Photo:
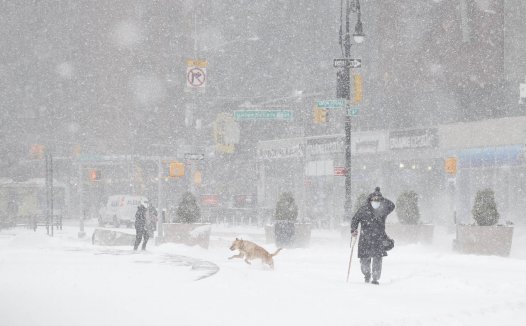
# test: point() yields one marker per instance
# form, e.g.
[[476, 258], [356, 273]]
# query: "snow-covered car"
[[120, 209]]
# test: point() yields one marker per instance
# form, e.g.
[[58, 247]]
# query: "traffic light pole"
[[81, 233], [344, 89], [348, 125], [159, 201]]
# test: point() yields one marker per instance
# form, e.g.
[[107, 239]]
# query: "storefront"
[[490, 153]]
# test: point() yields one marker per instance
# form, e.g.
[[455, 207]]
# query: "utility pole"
[[49, 193], [344, 87], [81, 233], [159, 201]]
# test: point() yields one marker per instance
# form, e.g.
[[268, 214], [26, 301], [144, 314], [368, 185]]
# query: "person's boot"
[[367, 278], [375, 282]]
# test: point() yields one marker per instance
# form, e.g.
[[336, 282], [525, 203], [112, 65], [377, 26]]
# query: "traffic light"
[[357, 89], [37, 151], [320, 115], [198, 177], [451, 165], [94, 175], [176, 169]]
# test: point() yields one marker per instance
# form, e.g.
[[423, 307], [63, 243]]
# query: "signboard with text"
[[263, 115], [416, 138], [331, 104], [340, 171], [194, 156]]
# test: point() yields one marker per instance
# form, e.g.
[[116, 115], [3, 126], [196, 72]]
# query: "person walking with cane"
[[373, 242]]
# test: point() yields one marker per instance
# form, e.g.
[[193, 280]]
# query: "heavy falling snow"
[[193, 162]]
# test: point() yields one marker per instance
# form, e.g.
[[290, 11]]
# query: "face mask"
[[375, 204]]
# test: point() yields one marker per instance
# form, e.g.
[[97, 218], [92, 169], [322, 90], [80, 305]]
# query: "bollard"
[[81, 233]]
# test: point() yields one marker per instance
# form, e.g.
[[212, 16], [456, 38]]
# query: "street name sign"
[[353, 112], [194, 156], [331, 104], [263, 115], [344, 62]]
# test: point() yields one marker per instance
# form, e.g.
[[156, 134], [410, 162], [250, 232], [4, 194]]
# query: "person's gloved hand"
[[354, 233]]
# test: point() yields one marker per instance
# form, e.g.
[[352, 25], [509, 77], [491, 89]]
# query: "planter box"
[[410, 233], [188, 234], [484, 240], [301, 238], [112, 238]]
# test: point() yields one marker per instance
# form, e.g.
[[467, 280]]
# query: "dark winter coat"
[[372, 232], [151, 220], [140, 218]]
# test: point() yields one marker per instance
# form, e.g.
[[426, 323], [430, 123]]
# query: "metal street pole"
[[81, 233], [159, 201], [348, 125], [51, 199], [344, 89], [47, 193]]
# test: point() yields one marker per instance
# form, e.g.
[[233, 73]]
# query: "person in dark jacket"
[[371, 246], [151, 220], [140, 227]]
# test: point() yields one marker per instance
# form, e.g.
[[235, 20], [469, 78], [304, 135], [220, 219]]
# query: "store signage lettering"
[[281, 152], [325, 146], [416, 138]]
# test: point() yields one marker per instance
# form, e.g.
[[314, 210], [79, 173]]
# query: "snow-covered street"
[[67, 281], [185, 127]]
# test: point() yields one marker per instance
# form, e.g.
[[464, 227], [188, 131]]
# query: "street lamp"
[[358, 35], [343, 85]]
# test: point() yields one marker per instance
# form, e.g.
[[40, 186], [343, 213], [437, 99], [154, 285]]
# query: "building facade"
[[489, 153]]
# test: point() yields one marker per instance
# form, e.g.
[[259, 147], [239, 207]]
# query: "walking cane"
[[353, 242]]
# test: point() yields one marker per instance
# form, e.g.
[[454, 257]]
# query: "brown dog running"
[[250, 250]]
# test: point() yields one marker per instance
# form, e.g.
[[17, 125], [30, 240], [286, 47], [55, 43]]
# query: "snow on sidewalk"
[[64, 281]]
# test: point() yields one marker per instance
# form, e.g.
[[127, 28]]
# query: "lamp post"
[[343, 85]]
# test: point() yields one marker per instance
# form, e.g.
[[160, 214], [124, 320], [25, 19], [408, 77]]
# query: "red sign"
[[340, 171], [209, 200]]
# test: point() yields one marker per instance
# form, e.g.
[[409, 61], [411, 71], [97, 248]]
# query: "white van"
[[120, 209]]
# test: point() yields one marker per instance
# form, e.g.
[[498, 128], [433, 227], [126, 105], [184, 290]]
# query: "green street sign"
[[263, 115], [353, 112], [331, 104]]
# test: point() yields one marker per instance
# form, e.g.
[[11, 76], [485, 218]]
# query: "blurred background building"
[[90, 81]]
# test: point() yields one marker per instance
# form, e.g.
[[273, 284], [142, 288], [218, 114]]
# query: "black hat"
[[376, 195]]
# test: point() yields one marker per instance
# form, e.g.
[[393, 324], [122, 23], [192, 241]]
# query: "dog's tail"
[[274, 254]]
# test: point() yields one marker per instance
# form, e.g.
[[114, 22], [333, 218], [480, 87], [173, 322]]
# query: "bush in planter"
[[484, 238], [186, 229], [285, 216], [188, 210], [407, 208], [485, 208], [286, 208]]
